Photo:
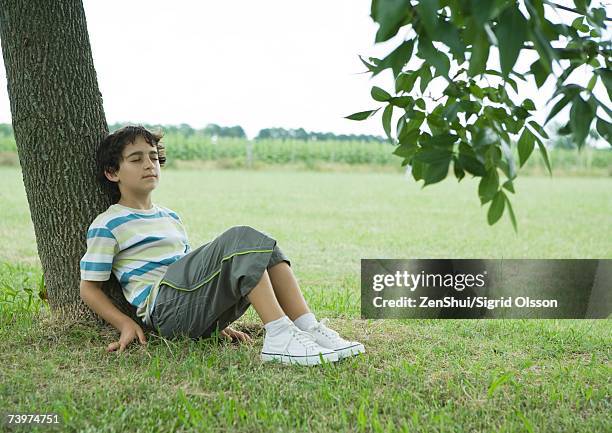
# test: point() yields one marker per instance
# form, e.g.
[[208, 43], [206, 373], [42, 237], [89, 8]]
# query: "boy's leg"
[[264, 301], [287, 290], [283, 341], [292, 301], [261, 297]]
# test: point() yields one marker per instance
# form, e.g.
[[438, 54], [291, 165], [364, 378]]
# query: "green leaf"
[[509, 160], [492, 157], [405, 128], [496, 113], [508, 185], [605, 130], [565, 129], [408, 134], [469, 107], [526, 144], [481, 11], [606, 78], [433, 56], [581, 5], [371, 67], [457, 169], [511, 213], [428, 13], [496, 209], [543, 47], [436, 122], [389, 14], [558, 107], [544, 153], [513, 126], [379, 94], [598, 16], [488, 186], [435, 173], [397, 58], [454, 89], [448, 34], [581, 115], [418, 168], [511, 32], [433, 155], [480, 54], [579, 25], [569, 90], [519, 75], [520, 113], [528, 104], [604, 107], [406, 150], [539, 129], [386, 120], [476, 91], [362, 115], [405, 81], [425, 74], [420, 103], [469, 161], [402, 101], [444, 140], [536, 10], [539, 73], [450, 111]]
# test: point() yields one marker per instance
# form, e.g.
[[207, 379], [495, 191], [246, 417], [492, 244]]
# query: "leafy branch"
[[473, 124]]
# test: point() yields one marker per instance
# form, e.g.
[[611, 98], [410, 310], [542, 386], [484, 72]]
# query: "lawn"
[[417, 375]]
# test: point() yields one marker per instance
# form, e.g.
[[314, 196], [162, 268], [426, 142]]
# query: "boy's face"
[[139, 171]]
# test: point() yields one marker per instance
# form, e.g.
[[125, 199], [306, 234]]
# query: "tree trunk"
[[58, 120]]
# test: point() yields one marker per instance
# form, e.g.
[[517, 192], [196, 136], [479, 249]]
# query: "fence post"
[[249, 153]]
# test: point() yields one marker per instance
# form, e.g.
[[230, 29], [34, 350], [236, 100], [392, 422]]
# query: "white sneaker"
[[293, 346], [330, 339]]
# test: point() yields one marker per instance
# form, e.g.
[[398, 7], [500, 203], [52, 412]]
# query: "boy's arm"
[[92, 294]]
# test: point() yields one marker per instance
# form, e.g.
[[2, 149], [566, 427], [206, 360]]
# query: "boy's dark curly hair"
[[110, 152]]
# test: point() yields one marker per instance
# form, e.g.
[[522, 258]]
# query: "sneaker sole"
[[301, 360], [350, 351]]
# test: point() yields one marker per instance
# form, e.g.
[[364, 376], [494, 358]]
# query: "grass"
[[418, 375]]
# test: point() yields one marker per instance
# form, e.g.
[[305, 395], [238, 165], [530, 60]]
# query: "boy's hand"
[[129, 332], [232, 333]]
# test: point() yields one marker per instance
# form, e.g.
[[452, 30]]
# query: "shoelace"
[[303, 337], [321, 327]]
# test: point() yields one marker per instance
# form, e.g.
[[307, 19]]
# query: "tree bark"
[[58, 120]]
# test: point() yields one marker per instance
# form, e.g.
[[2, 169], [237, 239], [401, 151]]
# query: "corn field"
[[245, 153]]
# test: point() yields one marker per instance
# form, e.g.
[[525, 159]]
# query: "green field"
[[224, 152], [418, 375]]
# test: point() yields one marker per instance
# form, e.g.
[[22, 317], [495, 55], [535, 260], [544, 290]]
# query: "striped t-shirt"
[[137, 246]]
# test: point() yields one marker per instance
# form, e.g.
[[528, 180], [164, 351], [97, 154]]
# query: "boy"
[[180, 292]]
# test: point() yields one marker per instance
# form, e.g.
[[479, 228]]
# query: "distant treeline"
[[214, 130], [301, 134]]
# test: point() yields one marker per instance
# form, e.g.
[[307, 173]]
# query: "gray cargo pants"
[[206, 289]]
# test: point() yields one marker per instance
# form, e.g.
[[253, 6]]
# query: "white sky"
[[257, 64]]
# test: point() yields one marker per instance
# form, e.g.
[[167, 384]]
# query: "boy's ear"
[[110, 175]]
